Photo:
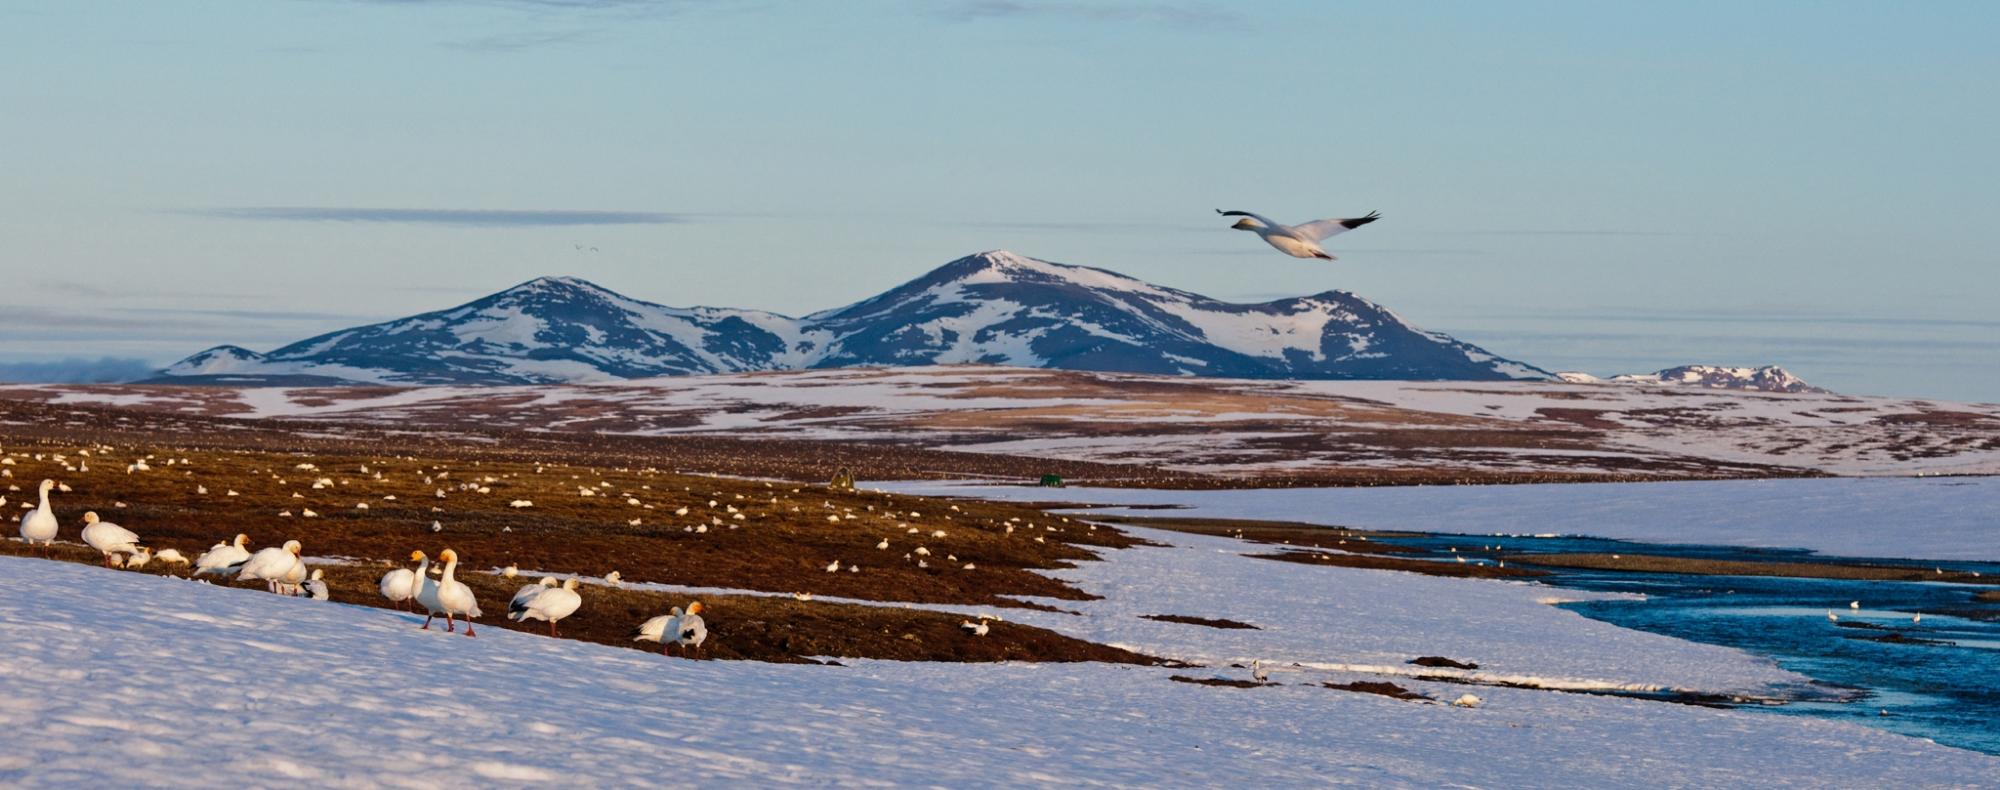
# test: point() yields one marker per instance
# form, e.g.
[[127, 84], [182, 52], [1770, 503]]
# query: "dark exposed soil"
[[1904, 639], [1274, 532], [1426, 567], [1385, 689], [1240, 684], [759, 535], [1192, 620], [1441, 661]]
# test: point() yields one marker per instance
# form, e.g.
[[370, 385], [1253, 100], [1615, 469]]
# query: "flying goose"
[[1298, 241]]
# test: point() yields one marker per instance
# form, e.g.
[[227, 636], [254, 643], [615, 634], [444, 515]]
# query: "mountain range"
[[990, 308]]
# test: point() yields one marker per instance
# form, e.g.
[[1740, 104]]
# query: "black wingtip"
[[1360, 221]]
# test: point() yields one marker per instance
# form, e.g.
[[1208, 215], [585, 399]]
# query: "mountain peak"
[[1768, 378], [996, 307]]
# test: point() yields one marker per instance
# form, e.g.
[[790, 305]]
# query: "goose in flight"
[[1298, 241]]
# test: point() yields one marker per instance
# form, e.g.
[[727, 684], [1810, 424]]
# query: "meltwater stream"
[[1932, 678]]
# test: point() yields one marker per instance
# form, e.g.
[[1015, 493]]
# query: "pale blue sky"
[[1604, 186]]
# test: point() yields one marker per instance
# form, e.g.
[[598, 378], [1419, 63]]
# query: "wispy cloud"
[[1177, 14], [77, 370], [482, 218], [515, 42]]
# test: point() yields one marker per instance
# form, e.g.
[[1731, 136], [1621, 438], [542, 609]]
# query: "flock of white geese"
[[283, 571]]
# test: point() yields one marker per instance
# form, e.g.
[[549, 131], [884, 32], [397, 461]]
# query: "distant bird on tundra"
[[1298, 241]]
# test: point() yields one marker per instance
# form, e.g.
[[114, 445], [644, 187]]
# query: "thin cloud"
[[77, 370], [515, 42], [477, 218], [1176, 14]]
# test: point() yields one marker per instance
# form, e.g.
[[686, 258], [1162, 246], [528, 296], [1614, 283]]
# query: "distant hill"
[[991, 308]]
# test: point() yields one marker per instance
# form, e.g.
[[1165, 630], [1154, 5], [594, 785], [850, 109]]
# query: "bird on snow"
[[108, 538], [272, 566], [400, 585], [40, 524], [693, 630], [1257, 672], [315, 587], [1298, 241], [550, 604], [222, 556], [664, 629]]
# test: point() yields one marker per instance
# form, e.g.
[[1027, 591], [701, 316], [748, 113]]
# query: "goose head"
[[694, 608], [47, 486], [241, 540], [548, 581], [448, 555], [90, 517], [1246, 224], [294, 547], [571, 584], [416, 556], [318, 574]]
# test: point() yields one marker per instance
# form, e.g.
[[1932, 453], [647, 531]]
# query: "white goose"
[[271, 565], [169, 557], [222, 556], [400, 585], [108, 538], [528, 592], [1298, 241], [693, 630], [448, 596], [289, 583], [552, 604], [139, 558], [40, 524], [316, 586], [664, 629]]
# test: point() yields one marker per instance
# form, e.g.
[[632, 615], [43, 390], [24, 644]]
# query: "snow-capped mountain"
[[990, 308], [1769, 378]]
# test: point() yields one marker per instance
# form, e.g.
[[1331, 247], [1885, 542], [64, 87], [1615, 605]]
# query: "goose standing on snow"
[[449, 596], [272, 565], [40, 524], [400, 585], [108, 538], [527, 593], [1298, 241], [222, 556], [316, 586], [693, 630], [663, 629], [552, 604]]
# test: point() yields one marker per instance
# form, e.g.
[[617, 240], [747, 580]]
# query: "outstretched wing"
[[1265, 221], [1320, 229]]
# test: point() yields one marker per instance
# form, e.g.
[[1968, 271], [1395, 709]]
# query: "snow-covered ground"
[[125, 679], [1916, 518], [1214, 426]]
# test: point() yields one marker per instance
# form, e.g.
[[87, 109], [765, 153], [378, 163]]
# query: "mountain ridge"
[[995, 307]]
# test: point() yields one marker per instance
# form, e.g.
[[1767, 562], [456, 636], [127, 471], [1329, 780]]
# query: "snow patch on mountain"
[[991, 308], [1769, 378]]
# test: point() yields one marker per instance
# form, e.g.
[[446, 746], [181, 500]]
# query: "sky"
[[1602, 186]]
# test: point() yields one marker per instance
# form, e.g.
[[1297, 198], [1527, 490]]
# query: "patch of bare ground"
[[365, 512], [1440, 661], [1272, 532], [1385, 689], [1226, 682], [1988, 595], [1470, 570], [1203, 621], [1647, 563]]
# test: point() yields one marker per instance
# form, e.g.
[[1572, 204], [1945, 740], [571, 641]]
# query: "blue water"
[[1945, 692]]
